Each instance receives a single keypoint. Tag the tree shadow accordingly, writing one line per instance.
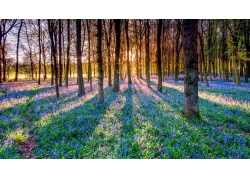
(129, 147)
(216, 131)
(72, 129)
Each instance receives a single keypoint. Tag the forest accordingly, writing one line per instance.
(124, 89)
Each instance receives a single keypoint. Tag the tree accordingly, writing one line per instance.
(81, 90)
(3, 35)
(108, 41)
(191, 68)
(30, 52)
(202, 55)
(60, 52)
(39, 41)
(234, 29)
(128, 64)
(89, 63)
(224, 51)
(17, 49)
(147, 30)
(68, 52)
(53, 51)
(159, 29)
(247, 46)
(116, 87)
(99, 61)
(178, 46)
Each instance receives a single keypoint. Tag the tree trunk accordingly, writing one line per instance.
(128, 63)
(177, 50)
(108, 41)
(81, 90)
(247, 69)
(39, 44)
(159, 87)
(140, 49)
(236, 64)
(147, 52)
(53, 50)
(68, 51)
(60, 52)
(17, 49)
(4, 60)
(89, 63)
(191, 107)
(0, 53)
(116, 87)
(52, 67)
(99, 61)
(44, 60)
(202, 55)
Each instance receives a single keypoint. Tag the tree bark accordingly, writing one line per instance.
(99, 61)
(17, 49)
(177, 49)
(81, 90)
(128, 63)
(191, 68)
(89, 63)
(147, 52)
(39, 44)
(116, 87)
(159, 87)
(68, 51)
(60, 52)
(53, 50)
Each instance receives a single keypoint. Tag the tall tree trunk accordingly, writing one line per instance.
(108, 41)
(236, 64)
(81, 90)
(140, 49)
(136, 50)
(44, 60)
(39, 44)
(99, 61)
(177, 49)
(68, 51)
(202, 55)
(52, 67)
(17, 49)
(0, 53)
(116, 87)
(247, 69)
(128, 63)
(147, 52)
(159, 87)
(30, 53)
(89, 63)
(60, 52)
(191, 107)
(3, 59)
(51, 30)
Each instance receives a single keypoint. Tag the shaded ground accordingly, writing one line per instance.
(137, 122)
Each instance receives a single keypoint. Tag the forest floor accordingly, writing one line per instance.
(137, 122)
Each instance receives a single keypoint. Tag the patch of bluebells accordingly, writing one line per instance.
(148, 118)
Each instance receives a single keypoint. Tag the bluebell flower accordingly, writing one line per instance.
(7, 151)
(226, 139)
(242, 141)
(54, 156)
(197, 156)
